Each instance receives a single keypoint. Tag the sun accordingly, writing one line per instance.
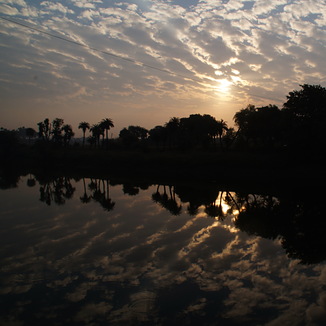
(223, 85)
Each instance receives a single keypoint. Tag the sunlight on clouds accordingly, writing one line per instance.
(223, 86)
(198, 238)
(250, 46)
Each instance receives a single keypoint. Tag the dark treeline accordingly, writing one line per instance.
(300, 123)
(297, 127)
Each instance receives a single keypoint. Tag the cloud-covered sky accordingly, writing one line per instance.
(221, 55)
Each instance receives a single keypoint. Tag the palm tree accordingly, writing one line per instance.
(107, 124)
(68, 134)
(83, 126)
(97, 131)
(221, 127)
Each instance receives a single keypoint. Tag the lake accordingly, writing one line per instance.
(92, 251)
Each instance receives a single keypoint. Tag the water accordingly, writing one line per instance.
(96, 252)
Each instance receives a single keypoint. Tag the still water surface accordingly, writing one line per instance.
(92, 252)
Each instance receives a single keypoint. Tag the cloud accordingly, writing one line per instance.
(8, 10)
(274, 46)
(85, 3)
(20, 3)
(50, 6)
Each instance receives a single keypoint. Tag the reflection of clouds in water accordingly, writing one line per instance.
(127, 264)
(90, 311)
(316, 312)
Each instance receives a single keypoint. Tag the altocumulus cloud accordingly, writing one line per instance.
(263, 49)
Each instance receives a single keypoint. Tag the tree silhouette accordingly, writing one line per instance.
(85, 198)
(221, 128)
(293, 217)
(197, 195)
(101, 193)
(30, 133)
(57, 130)
(168, 202)
(130, 189)
(307, 103)
(84, 126)
(68, 134)
(173, 129)
(31, 182)
(56, 190)
(53, 132)
(97, 131)
(133, 135)
(44, 129)
(106, 124)
(306, 112)
(199, 130)
(159, 136)
(8, 143)
(107, 202)
(262, 126)
(215, 210)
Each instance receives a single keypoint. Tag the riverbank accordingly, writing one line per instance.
(259, 168)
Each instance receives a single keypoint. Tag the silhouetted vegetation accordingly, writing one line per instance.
(84, 126)
(265, 137)
(56, 190)
(297, 219)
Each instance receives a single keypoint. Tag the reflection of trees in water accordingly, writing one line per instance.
(133, 189)
(9, 180)
(196, 196)
(56, 190)
(31, 182)
(207, 196)
(167, 199)
(215, 209)
(85, 198)
(100, 189)
(298, 220)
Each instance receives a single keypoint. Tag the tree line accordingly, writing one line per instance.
(298, 124)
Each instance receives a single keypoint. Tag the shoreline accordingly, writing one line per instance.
(257, 169)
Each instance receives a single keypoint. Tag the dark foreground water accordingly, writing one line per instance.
(91, 252)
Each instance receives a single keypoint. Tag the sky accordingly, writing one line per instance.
(142, 62)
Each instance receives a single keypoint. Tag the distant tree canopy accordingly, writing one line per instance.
(133, 135)
(194, 131)
(299, 124)
(260, 126)
(56, 132)
(8, 140)
(305, 112)
(309, 103)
